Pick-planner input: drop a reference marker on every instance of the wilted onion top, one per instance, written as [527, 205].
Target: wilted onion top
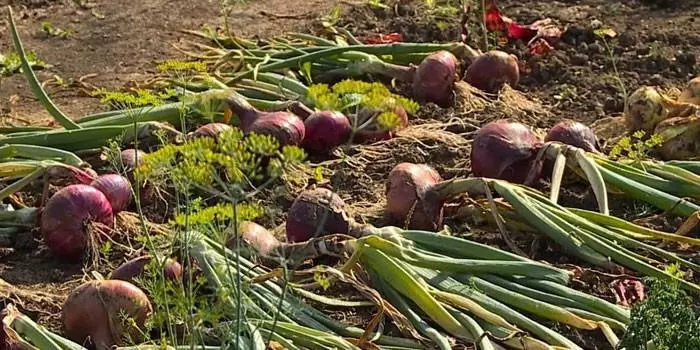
[505, 150]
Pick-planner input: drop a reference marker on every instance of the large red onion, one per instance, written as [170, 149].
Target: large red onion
[410, 201]
[286, 127]
[435, 77]
[317, 212]
[102, 312]
[209, 130]
[505, 150]
[116, 188]
[134, 268]
[375, 132]
[325, 130]
[66, 215]
[575, 134]
[490, 71]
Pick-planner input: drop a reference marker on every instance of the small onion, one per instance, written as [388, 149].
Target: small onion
[210, 130]
[505, 150]
[574, 134]
[375, 132]
[287, 128]
[64, 219]
[691, 93]
[131, 159]
[681, 138]
[258, 238]
[408, 193]
[490, 71]
[316, 212]
[95, 312]
[435, 77]
[325, 130]
[116, 188]
[135, 268]
[645, 109]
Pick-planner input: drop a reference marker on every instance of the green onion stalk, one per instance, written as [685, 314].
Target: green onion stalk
[21, 332]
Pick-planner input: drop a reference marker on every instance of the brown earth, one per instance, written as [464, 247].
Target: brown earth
[113, 45]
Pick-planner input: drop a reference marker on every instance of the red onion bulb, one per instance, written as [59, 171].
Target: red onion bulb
[574, 134]
[490, 71]
[131, 159]
[134, 268]
[287, 128]
[316, 212]
[101, 312]
[325, 130]
[64, 219]
[505, 150]
[116, 188]
[435, 77]
[210, 130]
[409, 197]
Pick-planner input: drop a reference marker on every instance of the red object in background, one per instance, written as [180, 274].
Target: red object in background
[540, 34]
[381, 38]
[628, 291]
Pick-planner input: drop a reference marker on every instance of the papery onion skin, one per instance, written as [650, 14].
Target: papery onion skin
[94, 313]
[116, 188]
[490, 71]
[259, 238]
[645, 109]
[316, 212]
[681, 138]
[134, 268]
[374, 133]
[131, 158]
[325, 130]
[691, 92]
[410, 200]
[575, 134]
[287, 128]
[64, 219]
[211, 130]
[434, 79]
[507, 151]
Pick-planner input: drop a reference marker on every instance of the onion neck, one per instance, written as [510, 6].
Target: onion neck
[473, 186]
[247, 114]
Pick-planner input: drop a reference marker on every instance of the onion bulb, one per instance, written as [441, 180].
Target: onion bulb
[435, 77]
[287, 128]
[646, 108]
[211, 130]
[66, 215]
[131, 159]
[101, 312]
[490, 71]
[325, 130]
[691, 93]
[259, 238]
[410, 201]
[116, 188]
[135, 267]
[317, 212]
[506, 150]
[575, 134]
[681, 138]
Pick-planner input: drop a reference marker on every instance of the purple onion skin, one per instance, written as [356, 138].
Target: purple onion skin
[491, 70]
[507, 151]
[134, 268]
[409, 192]
[574, 134]
[316, 212]
[116, 188]
[373, 133]
[63, 221]
[210, 130]
[325, 130]
[287, 128]
[130, 157]
[435, 78]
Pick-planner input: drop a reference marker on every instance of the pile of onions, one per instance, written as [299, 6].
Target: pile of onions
[66, 215]
[209, 130]
[490, 71]
[317, 212]
[574, 134]
[507, 151]
[134, 268]
[325, 130]
[434, 79]
[287, 128]
[95, 312]
[116, 188]
[410, 199]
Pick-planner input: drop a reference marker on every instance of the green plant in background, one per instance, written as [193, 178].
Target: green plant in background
[635, 147]
[664, 321]
[10, 63]
[137, 98]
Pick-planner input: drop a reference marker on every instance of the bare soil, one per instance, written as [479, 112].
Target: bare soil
[114, 45]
